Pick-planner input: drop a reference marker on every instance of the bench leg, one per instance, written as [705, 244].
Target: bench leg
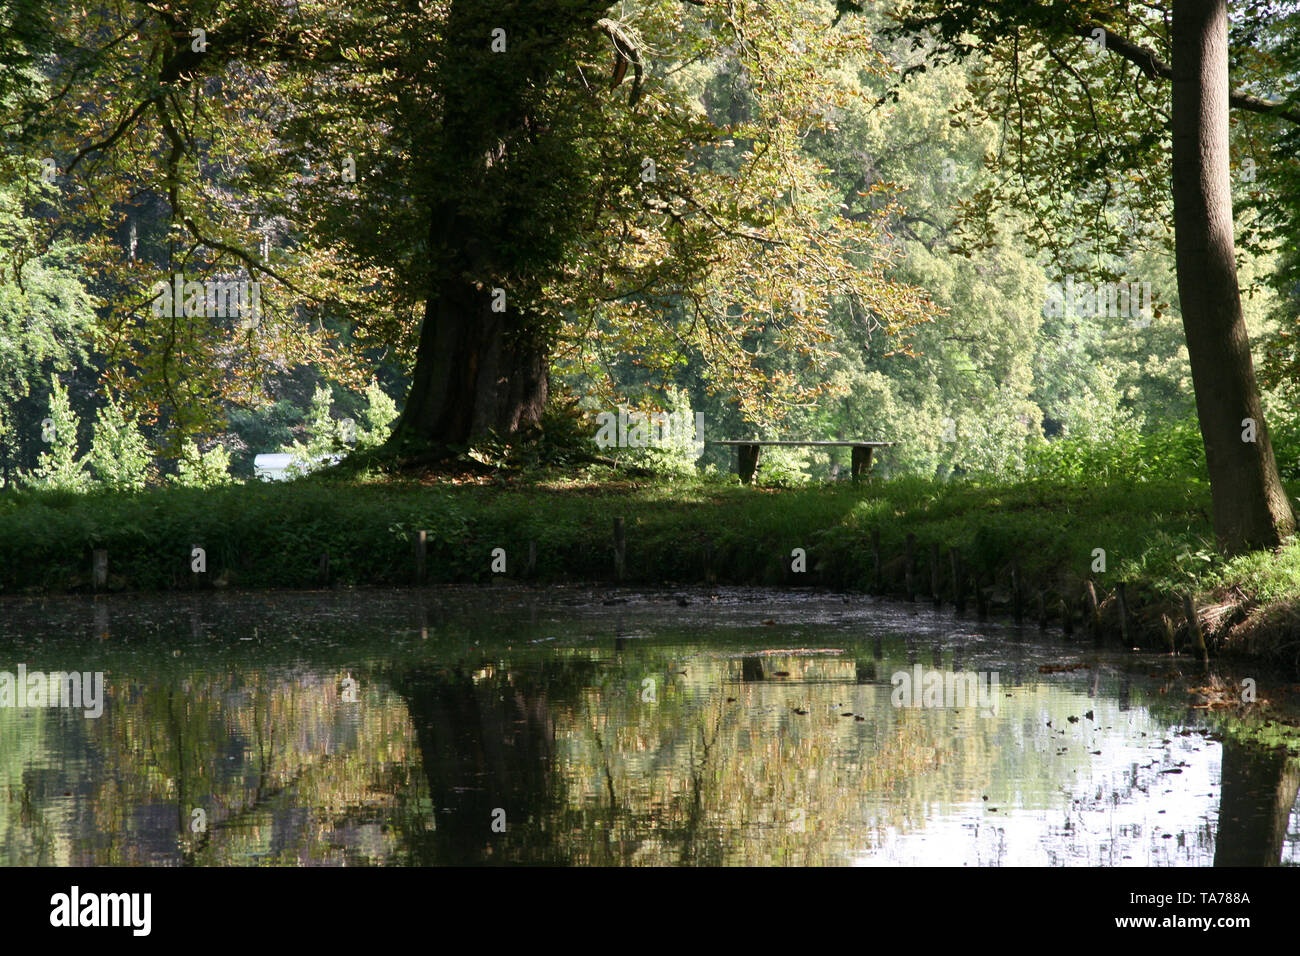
[746, 462]
[861, 463]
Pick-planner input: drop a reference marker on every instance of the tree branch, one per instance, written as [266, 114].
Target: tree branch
[127, 122]
[1153, 66]
[625, 52]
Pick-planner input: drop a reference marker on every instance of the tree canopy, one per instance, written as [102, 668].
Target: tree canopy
[807, 218]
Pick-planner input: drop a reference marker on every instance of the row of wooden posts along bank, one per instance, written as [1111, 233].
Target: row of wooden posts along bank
[951, 581]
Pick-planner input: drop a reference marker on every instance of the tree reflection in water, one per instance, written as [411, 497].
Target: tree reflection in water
[652, 744]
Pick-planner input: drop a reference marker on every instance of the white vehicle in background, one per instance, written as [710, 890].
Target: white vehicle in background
[282, 466]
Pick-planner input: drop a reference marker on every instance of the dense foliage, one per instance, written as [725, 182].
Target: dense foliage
[815, 248]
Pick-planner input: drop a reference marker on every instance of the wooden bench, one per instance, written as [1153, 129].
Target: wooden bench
[747, 454]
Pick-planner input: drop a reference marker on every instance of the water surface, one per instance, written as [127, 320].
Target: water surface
[572, 726]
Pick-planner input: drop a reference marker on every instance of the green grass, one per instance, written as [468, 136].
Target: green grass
[272, 535]
[1156, 535]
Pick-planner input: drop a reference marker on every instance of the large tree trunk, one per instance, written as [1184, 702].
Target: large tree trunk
[1251, 509]
[499, 155]
[486, 747]
[476, 370]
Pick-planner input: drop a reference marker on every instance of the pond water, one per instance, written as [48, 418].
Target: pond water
[575, 726]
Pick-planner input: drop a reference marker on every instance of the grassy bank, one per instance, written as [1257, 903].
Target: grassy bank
[1156, 536]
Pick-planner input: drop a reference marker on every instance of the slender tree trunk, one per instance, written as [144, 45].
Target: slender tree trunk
[1259, 790]
[1251, 509]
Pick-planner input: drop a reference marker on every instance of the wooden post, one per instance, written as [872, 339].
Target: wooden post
[1042, 610]
[99, 569]
[934, 573]
[1017, 612]
[1121, 600]
[1067, 618]
[1092, 614]
[620, 549]
[958, 598]
[325, 569]
[861, 466]
[709, 576]
[909, 559]
[532, 560]
[1194, 629]
[981, 600]
[421, 550]
[876, 584]
[747, 462]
